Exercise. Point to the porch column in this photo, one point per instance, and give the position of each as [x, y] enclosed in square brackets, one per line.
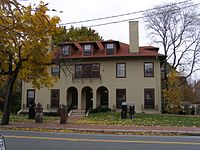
[79, 98]
[94, 99]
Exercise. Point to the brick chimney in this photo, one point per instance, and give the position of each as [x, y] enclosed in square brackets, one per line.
[133, 37]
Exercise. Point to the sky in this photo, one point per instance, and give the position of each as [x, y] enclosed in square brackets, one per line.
[78, 10]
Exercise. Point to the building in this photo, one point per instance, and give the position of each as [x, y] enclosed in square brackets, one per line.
[102, 74]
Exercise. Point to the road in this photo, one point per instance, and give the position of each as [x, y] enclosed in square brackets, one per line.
[28, 140]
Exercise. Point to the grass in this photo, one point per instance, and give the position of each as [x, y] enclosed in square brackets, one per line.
[24, 118]
[113, 118]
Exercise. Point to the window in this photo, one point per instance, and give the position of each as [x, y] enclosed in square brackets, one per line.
[55, 98]
[30, 97]
[95, 71]
[78, 71]
[87, 71]
[149, 99]
[148, 69]
[110, 49]
[120, 97]
[120, 70]
[87, 50]
[66, 50]
[55, 71]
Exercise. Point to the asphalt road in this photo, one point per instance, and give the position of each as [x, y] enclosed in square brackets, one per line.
[25, 140]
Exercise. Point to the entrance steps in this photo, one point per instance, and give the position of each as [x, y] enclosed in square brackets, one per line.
[77, 113]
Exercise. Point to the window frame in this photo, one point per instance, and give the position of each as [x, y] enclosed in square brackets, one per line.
[120, 99]
[124, 71]
[108, 50]
[52, 104]
[151, 104]
[66, 50]
[147, 74]
[87, 52]
[53, 73]
[90, 73]
[27, 97]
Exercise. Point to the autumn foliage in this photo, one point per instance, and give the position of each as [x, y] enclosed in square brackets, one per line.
[177, 93]
[25, 46]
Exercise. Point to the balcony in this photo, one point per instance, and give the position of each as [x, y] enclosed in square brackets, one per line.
[85, 76]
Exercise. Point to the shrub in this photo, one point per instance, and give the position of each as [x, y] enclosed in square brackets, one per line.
[198, 109]
[100, 109]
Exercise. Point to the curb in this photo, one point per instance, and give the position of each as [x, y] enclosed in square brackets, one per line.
[105, 131]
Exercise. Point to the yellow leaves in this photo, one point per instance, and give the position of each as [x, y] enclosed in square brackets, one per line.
[178, 91]
[25, 37]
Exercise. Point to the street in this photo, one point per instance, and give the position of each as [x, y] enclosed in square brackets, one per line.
[29, 140]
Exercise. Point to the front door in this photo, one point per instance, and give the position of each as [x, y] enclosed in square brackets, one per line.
[74, 99]
[104, 98]
[89, 102]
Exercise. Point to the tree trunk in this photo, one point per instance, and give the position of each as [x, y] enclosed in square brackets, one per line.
[8, 101]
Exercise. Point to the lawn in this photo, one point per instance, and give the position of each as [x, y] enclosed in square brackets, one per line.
[113, 118]
[24, 118]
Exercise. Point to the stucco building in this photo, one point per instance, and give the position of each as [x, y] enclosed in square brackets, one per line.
[102, 74]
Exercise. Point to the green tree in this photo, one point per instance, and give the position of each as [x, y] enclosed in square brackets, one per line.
[24, 47]
[75, 34]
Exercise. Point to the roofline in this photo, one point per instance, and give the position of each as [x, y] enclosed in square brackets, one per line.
[161, 57]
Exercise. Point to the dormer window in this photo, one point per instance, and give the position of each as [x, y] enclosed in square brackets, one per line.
[87, 50]
[66, 50]
[110, 49]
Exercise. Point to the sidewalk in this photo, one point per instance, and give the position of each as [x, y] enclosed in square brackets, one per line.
[72, 127]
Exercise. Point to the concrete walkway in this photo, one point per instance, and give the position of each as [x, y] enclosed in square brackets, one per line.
[110, 129]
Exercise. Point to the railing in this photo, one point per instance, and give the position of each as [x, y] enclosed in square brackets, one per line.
[86, 77]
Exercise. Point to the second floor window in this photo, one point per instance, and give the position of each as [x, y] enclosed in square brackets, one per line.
[121, 70]
[66, 50]
[87, 71]
[55, 71]
[110, 49]
[148, 69]
[87, 50]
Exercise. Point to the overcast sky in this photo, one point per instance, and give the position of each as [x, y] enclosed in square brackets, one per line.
[78, 10]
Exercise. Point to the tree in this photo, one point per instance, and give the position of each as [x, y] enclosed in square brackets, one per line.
[177, 92]
[197, 91]
[75, 34]
[172, 94]
[176, 28]
[24, 47]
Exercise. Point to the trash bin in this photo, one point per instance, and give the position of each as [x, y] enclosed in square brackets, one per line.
[124, 110]
[132, 110]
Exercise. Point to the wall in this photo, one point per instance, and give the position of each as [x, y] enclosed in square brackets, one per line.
[134, 83]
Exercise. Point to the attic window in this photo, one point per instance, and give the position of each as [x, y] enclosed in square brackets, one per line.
[55, 70]
[87, 50]
[66, 50]
[110, 49]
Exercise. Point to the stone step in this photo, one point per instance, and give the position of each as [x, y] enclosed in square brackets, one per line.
[77, 112]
